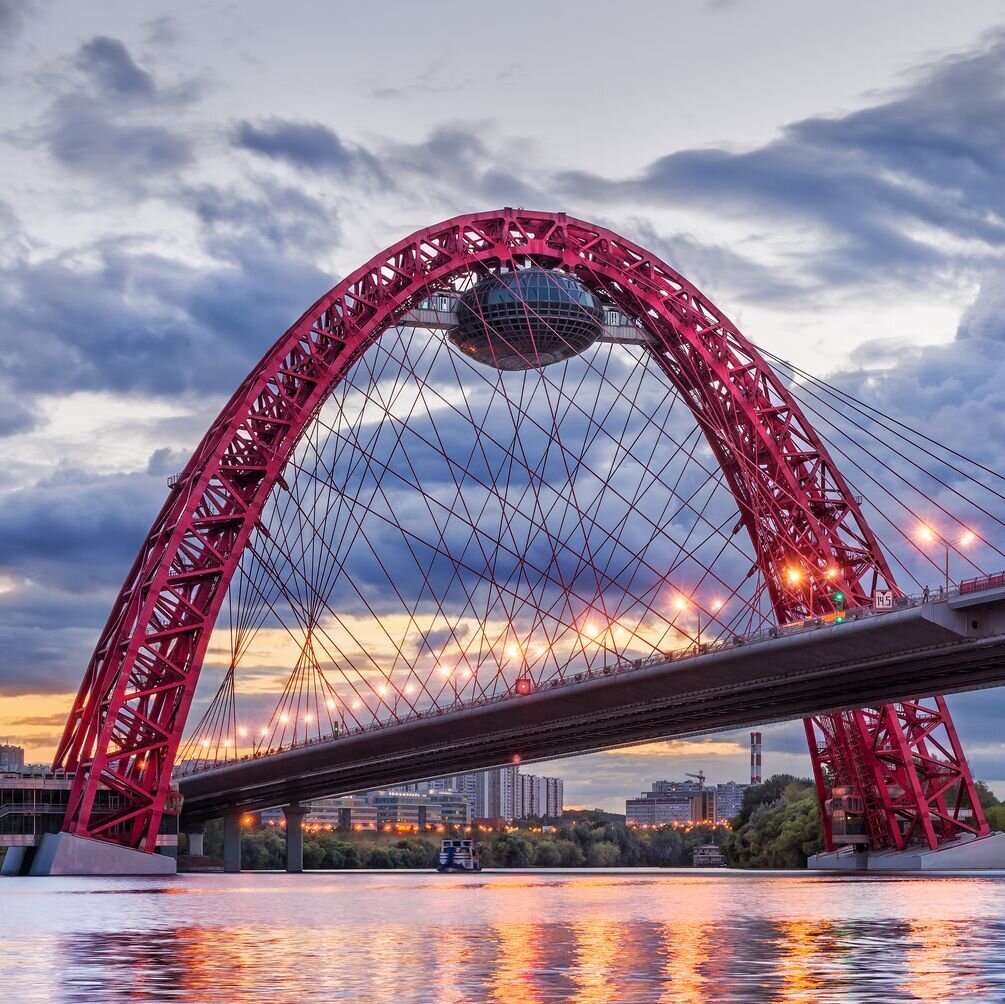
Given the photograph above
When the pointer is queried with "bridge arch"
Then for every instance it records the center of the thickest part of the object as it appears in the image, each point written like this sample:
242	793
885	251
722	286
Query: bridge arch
125	725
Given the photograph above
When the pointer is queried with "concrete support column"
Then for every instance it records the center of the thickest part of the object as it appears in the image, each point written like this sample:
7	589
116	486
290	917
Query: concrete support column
195	832
294	836
232	842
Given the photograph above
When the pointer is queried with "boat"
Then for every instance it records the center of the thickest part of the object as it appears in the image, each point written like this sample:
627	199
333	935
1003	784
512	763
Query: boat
459	855
708	856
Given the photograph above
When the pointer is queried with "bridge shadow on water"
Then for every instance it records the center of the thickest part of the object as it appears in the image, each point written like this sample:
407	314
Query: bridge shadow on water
587	937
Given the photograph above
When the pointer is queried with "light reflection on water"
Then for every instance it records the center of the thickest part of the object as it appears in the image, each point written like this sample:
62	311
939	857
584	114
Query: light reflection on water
589	937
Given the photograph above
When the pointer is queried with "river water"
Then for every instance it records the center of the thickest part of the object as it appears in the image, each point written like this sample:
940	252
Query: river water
617	936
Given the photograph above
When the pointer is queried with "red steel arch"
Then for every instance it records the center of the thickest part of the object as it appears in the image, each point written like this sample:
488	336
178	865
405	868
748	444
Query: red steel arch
126	722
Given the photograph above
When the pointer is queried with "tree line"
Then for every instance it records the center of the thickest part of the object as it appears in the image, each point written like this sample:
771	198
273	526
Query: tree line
777	827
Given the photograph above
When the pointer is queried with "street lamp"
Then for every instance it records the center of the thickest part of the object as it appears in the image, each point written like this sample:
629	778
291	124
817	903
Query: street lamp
682	603
795	577
930	536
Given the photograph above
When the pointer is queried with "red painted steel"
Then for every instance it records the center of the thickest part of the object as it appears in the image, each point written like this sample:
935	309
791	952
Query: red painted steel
805	524
907	763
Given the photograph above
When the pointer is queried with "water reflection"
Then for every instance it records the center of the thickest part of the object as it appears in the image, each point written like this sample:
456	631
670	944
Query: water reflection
687	961
590	938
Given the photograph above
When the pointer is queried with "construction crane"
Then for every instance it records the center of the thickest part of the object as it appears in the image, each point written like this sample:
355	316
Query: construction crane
699	777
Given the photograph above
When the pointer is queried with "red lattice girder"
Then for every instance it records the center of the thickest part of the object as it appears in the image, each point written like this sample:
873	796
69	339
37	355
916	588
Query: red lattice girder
907	763
126	723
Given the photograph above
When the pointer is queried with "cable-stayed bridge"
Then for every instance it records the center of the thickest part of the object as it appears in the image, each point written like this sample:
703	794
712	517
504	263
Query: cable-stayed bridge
515	487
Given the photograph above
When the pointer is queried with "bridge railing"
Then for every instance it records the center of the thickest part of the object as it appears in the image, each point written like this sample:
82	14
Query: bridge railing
618	668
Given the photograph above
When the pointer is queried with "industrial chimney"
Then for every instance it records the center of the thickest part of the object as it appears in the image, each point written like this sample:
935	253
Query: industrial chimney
755	757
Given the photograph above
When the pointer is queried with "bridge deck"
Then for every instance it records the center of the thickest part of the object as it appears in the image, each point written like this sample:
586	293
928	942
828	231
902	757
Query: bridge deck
924	649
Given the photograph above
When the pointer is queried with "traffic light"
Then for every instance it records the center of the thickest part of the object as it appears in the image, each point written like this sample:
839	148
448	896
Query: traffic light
838	598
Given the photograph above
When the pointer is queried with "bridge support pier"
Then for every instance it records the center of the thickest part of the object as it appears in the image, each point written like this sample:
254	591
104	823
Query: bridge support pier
294	836
232	842
195	834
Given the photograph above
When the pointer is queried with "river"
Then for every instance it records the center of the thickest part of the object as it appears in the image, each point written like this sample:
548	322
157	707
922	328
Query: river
616	936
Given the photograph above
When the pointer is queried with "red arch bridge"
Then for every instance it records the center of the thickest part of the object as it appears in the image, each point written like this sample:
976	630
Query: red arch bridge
515	488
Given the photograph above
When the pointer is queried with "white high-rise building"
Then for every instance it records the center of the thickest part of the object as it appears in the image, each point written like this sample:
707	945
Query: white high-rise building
496	796
554	797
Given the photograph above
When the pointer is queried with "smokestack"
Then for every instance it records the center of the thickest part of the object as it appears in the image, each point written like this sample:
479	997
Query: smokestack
755	757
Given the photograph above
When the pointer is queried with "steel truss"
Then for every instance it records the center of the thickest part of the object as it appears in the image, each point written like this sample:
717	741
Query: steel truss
126	723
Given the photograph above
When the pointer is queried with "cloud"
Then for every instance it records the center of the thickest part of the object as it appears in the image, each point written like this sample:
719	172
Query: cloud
13	14
37	720
110	316
82	136
307	145
716	747
107	61
905	189
114	122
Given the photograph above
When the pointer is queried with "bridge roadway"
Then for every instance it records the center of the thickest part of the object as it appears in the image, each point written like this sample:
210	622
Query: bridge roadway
944	646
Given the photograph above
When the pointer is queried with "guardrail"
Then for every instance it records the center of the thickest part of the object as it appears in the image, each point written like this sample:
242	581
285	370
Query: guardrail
621	667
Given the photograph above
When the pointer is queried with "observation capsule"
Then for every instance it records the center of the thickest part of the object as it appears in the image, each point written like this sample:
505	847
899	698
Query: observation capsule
526	319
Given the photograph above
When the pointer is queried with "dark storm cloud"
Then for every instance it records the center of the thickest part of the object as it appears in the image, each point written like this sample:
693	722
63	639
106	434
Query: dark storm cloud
132	320
91	526
887	185
111	317
66	567
107	61
82	136
308	145
115	123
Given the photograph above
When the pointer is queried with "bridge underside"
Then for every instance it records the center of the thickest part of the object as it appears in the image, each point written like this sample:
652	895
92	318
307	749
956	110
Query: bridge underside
932	648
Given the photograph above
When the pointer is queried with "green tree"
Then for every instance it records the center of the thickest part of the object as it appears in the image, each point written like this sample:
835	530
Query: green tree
763	794
781	834
511	851
377	857
547	855
604	854
570	854
314	854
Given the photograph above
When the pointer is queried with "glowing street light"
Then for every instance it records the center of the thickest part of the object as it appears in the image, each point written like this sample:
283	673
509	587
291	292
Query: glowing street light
682	603
930	536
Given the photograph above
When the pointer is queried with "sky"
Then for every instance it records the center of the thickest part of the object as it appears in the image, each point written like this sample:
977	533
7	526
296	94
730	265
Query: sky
180	181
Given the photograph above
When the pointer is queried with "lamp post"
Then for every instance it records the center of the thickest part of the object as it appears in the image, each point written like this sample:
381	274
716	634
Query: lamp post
682	603
927	534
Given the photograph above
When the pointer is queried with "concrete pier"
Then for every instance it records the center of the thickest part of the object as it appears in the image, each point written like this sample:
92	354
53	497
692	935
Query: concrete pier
195	834
959	855
294	836
68	854
232	842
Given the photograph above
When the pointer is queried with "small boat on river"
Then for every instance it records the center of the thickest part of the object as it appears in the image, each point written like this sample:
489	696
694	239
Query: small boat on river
459	855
